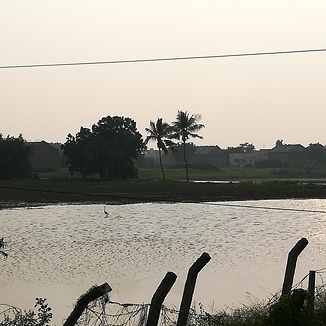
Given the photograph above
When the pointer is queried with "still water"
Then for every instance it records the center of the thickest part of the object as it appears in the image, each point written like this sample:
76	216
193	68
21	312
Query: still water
59	252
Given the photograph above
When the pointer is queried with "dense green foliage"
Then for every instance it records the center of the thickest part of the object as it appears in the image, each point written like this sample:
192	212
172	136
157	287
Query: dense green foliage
14	158
108	149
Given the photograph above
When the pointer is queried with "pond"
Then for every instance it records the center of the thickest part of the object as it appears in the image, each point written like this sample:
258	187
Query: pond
60	251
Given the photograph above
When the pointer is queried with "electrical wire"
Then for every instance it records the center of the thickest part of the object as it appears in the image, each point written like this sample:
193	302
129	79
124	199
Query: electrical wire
268	208
85	63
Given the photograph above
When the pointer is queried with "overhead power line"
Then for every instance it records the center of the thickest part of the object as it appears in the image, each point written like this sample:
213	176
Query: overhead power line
62	64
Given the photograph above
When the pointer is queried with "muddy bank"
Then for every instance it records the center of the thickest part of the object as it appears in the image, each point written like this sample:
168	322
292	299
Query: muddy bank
43	192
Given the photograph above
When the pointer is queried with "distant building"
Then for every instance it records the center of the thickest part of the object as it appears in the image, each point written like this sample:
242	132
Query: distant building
282	155
208	156
45	157
289	155
262	154
152	156
243	159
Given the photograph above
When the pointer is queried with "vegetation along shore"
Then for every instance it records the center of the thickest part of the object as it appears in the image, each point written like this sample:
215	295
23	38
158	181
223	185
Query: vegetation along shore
60	187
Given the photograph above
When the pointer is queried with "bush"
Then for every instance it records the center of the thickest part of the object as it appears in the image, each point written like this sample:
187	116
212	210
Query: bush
15	317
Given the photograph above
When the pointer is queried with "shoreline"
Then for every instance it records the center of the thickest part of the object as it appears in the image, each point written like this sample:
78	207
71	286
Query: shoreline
33	193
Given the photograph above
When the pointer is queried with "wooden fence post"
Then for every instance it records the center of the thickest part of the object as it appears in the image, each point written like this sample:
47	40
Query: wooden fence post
190	287
311	283
291	264
311	291
84	300
158	298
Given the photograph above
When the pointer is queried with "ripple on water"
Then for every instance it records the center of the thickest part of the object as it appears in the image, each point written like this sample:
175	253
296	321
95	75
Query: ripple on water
76	246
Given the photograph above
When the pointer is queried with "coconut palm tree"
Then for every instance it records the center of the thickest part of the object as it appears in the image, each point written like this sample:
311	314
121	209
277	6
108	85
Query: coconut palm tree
161	132
185	127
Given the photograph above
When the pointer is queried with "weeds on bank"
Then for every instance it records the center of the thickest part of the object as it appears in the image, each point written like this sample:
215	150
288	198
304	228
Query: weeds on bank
13	316
297	309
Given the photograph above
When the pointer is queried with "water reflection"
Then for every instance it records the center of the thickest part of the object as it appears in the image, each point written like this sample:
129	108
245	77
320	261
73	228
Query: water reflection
70	248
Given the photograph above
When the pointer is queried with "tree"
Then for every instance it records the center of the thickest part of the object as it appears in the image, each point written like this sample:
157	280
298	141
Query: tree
161	132
15	156
75	148
247	147
109	149
186	126
242	148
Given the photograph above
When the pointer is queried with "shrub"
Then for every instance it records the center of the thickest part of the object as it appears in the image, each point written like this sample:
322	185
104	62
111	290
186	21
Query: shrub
15	317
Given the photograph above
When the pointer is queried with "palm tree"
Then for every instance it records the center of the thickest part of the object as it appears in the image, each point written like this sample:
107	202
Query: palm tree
161	132
185	127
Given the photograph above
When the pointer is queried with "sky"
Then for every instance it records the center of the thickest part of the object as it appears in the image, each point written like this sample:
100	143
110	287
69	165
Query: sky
255	99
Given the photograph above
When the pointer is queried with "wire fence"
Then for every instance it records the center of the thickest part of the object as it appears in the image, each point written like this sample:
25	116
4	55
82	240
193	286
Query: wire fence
101	313
104	312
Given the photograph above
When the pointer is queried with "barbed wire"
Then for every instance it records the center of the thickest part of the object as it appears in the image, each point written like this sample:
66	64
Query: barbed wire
132	314
104	312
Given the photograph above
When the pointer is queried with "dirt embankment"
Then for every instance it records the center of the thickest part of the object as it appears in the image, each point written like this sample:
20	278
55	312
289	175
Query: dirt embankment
40	192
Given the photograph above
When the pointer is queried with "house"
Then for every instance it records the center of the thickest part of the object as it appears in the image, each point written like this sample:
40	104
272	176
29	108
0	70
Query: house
262	154
243	159
289	155
45	156
152	157
208	156
236	160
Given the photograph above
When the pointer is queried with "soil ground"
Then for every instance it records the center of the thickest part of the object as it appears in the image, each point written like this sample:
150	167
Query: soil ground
43	192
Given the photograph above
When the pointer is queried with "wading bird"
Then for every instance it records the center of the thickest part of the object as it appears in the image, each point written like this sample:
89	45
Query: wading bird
105	212
2	246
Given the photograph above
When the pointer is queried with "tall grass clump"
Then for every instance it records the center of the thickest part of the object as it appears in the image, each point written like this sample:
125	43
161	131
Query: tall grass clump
320	305
256	314
297	309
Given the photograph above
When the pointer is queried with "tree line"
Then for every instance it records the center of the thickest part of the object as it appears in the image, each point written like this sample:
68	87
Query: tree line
14	157
109	148
112	145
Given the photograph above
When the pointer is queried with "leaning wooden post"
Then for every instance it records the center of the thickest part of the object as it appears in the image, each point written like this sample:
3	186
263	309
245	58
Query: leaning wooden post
190	287
158	298
291	264
84	300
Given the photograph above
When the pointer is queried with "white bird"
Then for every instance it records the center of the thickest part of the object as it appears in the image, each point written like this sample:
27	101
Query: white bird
105	212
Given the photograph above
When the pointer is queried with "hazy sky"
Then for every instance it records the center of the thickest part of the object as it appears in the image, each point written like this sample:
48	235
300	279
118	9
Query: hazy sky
242	99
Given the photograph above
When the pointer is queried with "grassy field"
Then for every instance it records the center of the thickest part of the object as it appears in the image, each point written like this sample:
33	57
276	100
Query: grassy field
246	173
196	174
239	184
170	174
